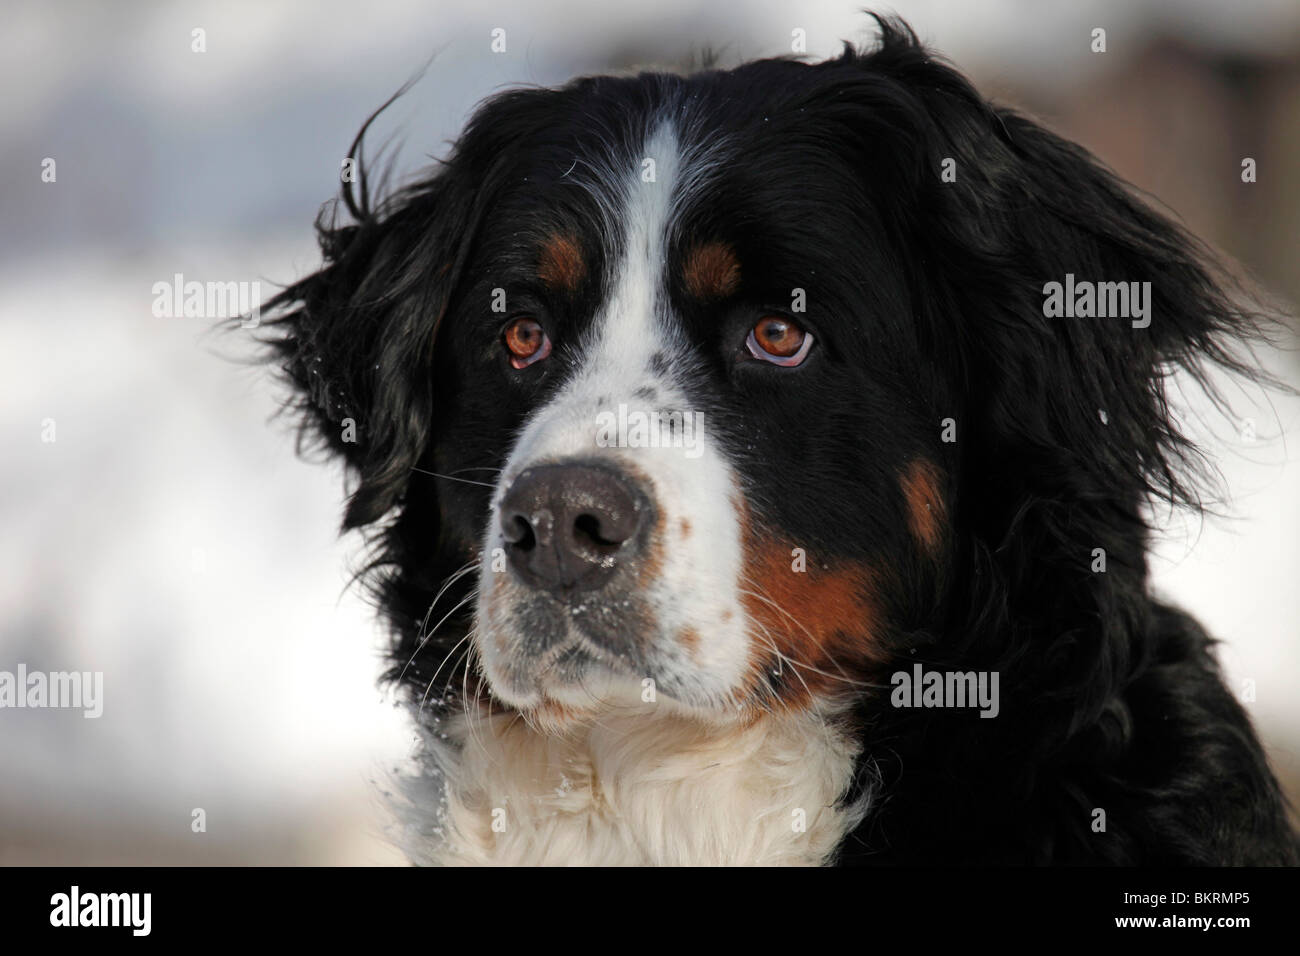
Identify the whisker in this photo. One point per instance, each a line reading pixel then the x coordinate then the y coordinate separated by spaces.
pixel 424 639
pixel 816 670
pixel 428 689
pixel 434 679
pixel 468 481
pixel 794 669
pixel 814 708
pixel 471 718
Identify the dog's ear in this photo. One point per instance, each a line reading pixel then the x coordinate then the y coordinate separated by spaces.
pixel 1018 229
pixel 1097 301
pixel 356 338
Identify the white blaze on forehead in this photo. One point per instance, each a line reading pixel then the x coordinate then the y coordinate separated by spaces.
pixel 698 534
pixel 631 325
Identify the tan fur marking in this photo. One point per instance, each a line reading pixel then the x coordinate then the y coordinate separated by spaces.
pixel 925 507
pixel 561 265
pixel 712 271
pixel 822 620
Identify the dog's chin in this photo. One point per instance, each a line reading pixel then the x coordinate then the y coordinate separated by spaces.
pixel 574 684
pixel 566 686
pixel 524 671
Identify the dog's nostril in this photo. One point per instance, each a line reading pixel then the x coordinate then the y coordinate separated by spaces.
pixel 519 532
pixel 527 529
pixel 591 530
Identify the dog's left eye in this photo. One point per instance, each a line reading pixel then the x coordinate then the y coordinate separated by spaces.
pixel 526 341
pixel 779 340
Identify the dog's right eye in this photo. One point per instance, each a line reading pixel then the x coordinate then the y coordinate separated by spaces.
pixel 526 341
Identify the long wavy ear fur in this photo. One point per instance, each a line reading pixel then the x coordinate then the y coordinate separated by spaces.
pixel 1070 410
pixel 355 339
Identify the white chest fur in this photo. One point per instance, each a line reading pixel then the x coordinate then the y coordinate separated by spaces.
pixel 635 786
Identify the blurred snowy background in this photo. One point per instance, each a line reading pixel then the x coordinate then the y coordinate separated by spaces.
pixel 169 538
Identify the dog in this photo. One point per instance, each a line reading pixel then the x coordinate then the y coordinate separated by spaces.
pixel 754 463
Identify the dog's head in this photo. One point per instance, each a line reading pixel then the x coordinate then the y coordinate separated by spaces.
pixel 741 382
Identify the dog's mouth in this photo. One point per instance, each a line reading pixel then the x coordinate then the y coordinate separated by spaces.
pixel 573 646
pixel 573 673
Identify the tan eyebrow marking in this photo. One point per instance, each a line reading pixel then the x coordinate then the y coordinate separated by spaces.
pixel 712 271
pixel 561 265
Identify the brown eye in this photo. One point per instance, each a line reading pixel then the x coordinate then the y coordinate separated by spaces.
pixel 526 341
pixel 779 340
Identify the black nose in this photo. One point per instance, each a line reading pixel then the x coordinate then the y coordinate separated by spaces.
pixel 568 526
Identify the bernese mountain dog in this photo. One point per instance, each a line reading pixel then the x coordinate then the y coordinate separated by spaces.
pixel 758 467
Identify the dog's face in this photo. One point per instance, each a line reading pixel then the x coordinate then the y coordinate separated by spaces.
pixel 682 338
pixel 725 382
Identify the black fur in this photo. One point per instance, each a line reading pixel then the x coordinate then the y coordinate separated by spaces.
pixel 932 293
